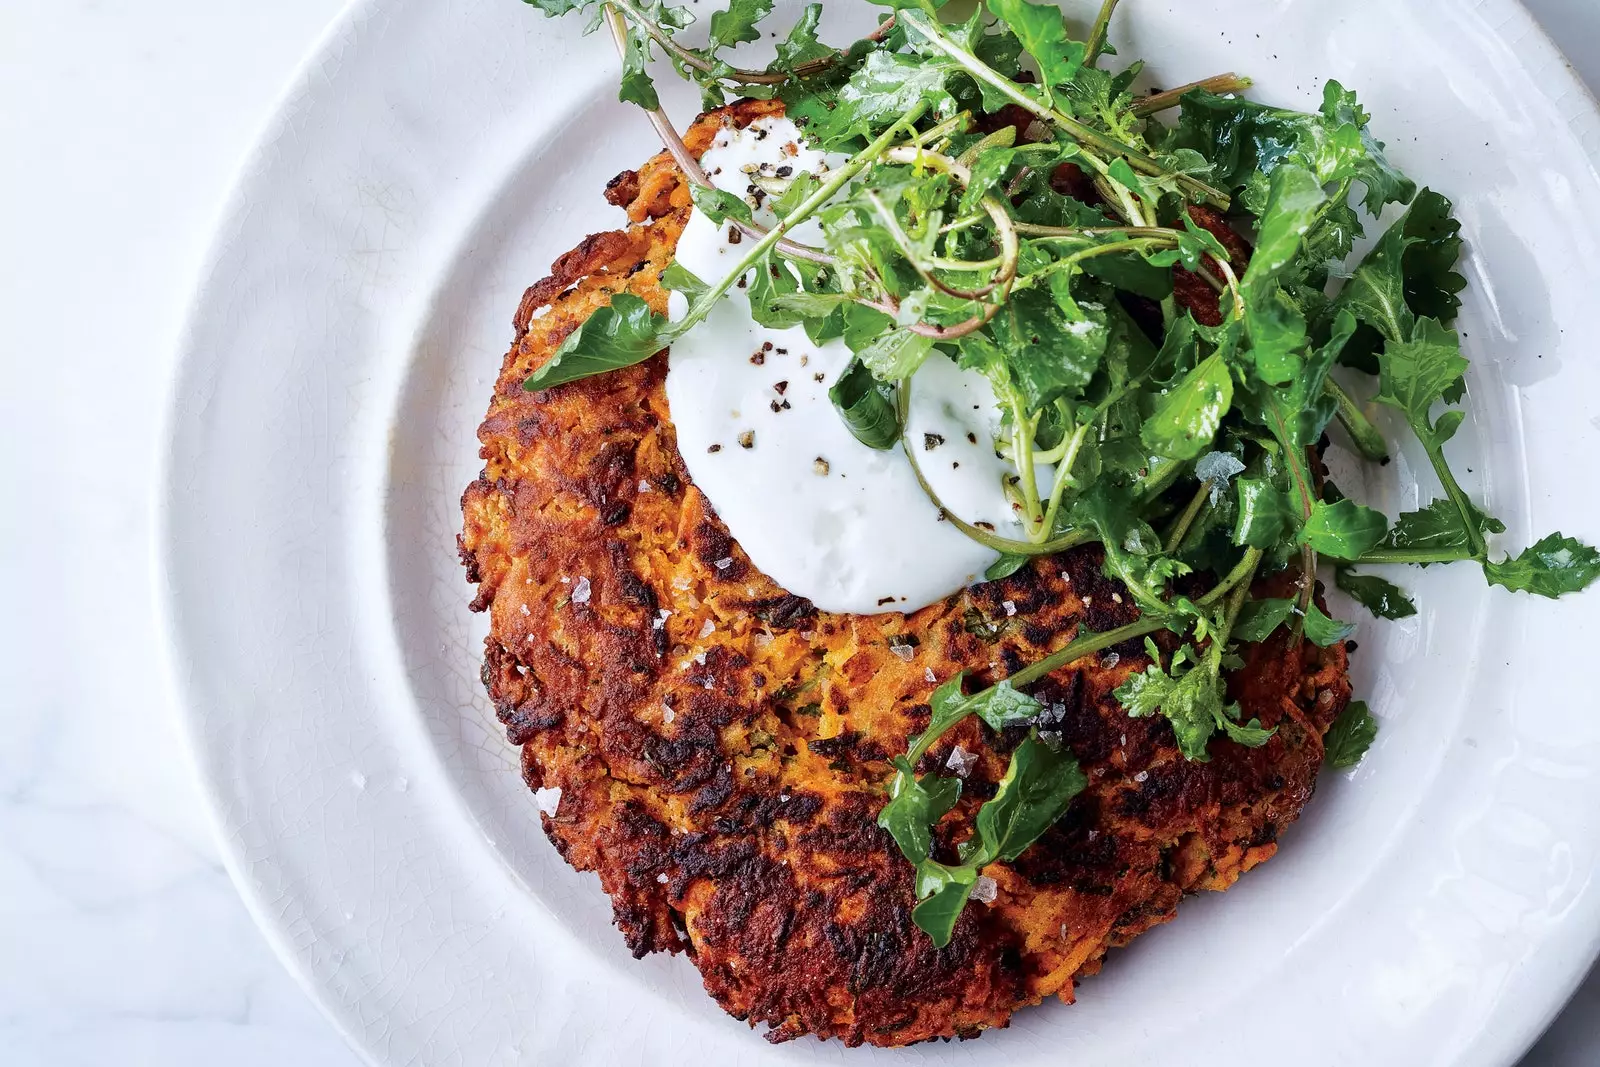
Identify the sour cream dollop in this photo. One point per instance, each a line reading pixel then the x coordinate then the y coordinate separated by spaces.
pixel 825 516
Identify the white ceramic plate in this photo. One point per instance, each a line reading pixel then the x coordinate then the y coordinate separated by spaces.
pixel 1435 906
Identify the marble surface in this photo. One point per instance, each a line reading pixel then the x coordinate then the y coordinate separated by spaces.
pixel 121 938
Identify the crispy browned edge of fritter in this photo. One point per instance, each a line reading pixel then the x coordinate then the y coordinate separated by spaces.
pixel 728 809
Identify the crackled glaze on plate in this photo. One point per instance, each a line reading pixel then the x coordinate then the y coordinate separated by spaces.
pixel 1435 906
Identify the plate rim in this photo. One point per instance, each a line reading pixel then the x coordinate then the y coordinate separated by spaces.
pixel 1558 81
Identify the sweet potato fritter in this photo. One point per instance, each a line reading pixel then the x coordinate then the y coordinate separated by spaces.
pixel 722 747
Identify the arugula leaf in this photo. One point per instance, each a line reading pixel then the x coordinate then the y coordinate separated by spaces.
pixel 719 205
pixel 1292 205
pixel 1552 567
pixel 886 87
pixel 1048 352
pixel 915 807
pixel 1186 419
pixel 1383 598
pixel 681 279
pixel 896 355
pixel 636 87
pixel 1420 371
pixel 1437 528
pixel 802 45
pixel 620 334
pixel 948 889
pixel 1265 515
pixel 1410 273
pixel 1004 567
pixel 1258 619
pixel 1360 156
pixel 1345 530
pixel 867 407
pixel 737 24
pixel 1044 37
pixel 1323 630
pixel 1351 734
pixel 1036 790
pixel 1001 705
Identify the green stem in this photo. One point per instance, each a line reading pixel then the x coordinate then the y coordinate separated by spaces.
pixel 1098 35
pixel 1180 529
pixel 1219 84
pixel 1366 437
pixel 1083 134
pixel 1417 555
pixel 1452 488
pixel 836 180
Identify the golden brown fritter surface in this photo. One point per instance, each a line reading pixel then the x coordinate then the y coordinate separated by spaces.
pixel 722 747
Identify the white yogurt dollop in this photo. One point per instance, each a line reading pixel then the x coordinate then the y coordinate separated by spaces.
pixel 827 517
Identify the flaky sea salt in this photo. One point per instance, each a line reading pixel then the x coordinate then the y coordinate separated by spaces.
pixel 961 761
pixel 724 563
pixel 762 639
pixel 667 714
pixel 1218 468
pixel 927 672
pixel 904 652
pixel 707 628
pixel 1109 660
pixel 644 486
pixel 1141 776
pixel 984 890
pixel 525 610
pixel 581 591
pixel 662 878
pixel 548 799
pixel 1011 608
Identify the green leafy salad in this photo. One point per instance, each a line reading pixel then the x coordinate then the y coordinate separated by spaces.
pixel 1049 253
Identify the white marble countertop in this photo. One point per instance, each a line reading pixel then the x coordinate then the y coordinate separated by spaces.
pixel 121 938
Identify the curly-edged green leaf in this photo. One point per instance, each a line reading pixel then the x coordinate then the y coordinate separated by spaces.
pixel 1381 597
pixel 1037 788
pixel 1308 396
pixel 896 355
pixel 1294 199
pixel 1265 516
pixel 719 205
pixel 867 407
pixel 1044 37
pixel 557 8
pixel 1555 566
pixel 1187 418
pixel 681 279
pixel 738 22
pixel 637 88
pixel 1322 630
pixel 801 44
pixel 914 806
pixel 1001 705
pixel 1247 142
pixel 1194 706
pixel 1431 279
pixel 620 334
pixel 1049 352
pixel 1344 530
pixel 881 92
pixel 1259 618
pixel 1359 156
pixel 1351 734
pixel 1420 371
pixel 1437 528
